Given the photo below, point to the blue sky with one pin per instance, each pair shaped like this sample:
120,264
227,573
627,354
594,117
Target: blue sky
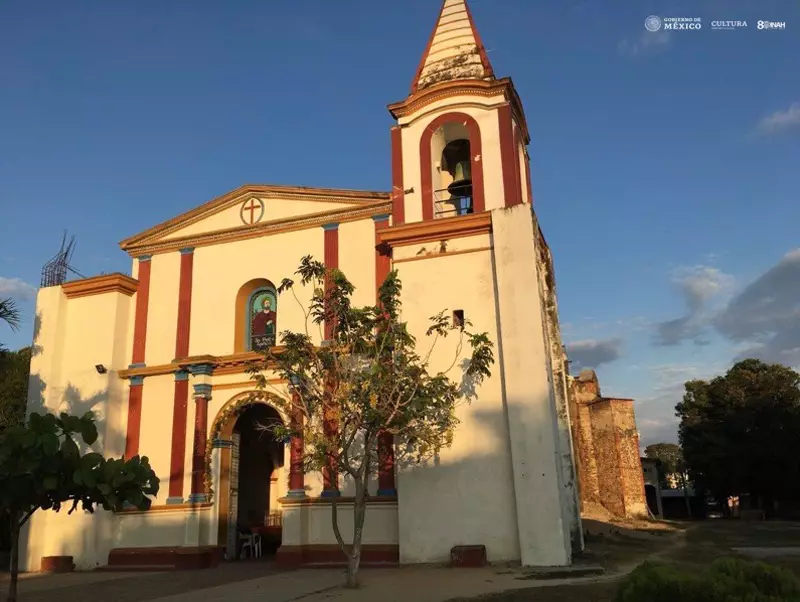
664,165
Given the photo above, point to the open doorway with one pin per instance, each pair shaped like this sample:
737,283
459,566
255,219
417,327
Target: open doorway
256,480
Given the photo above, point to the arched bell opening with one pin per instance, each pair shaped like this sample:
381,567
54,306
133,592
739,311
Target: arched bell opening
453,188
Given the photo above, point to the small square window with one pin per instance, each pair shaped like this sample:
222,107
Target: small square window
458,318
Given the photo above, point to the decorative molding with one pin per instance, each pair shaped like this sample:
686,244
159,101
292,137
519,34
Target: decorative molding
142,258
181,375
333,226
137,381
437,230
187,250
202,369
246,384
475,87
302,222
202,390
142,242
341,500
98,285
445,254
171,508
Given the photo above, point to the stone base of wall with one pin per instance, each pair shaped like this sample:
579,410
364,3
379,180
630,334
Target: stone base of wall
292,557
174,558
57,564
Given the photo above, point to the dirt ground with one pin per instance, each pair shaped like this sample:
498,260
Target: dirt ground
692,546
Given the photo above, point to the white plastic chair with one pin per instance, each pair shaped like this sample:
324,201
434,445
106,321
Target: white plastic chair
248,545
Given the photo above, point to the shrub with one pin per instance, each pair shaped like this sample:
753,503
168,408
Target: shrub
726,580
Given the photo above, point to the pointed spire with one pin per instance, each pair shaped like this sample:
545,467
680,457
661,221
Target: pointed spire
455,50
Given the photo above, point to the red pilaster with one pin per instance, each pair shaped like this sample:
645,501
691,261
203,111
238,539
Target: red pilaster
398,189
528,178
383,261
202,395
297,487
140,320
134,416
383,264
184,304
331,262
137,358
178,453
510,158
386,485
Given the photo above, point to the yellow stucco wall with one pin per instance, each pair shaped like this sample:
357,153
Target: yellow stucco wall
162,310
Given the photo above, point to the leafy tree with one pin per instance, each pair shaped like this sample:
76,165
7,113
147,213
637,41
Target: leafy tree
14,373
739,431
670,459
42,467
10,314
369,381
671,462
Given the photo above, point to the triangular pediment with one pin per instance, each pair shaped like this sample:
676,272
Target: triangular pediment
255,210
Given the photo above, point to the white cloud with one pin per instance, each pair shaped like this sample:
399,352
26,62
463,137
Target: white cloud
591,353
16,288
698,285
780,121
647,43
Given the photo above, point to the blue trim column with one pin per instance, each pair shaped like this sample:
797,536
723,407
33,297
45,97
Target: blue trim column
202,395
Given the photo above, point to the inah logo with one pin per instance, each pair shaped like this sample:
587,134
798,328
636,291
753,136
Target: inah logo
771,25
652,23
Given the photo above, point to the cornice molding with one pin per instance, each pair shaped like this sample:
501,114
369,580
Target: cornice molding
98,285
476,87
436,230
236,363
246,192
302,222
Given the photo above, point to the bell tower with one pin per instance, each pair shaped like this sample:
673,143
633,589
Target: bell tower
464,239
460,143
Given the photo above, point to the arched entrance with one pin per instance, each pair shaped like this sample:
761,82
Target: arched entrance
252,477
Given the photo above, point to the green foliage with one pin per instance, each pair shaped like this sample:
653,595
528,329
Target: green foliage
14,373
10,313
738,431
367,380
670,457
726,580
42,466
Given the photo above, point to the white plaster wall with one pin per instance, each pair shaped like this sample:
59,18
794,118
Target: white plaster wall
155,438
485,113
73,336
357,259
463,497
310,524
544,536
162,309
274,209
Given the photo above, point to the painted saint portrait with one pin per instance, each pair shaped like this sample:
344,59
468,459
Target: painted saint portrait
263,320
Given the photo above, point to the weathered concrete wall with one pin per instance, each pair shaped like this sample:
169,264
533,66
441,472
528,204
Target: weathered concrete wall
604,435
630,465
570,500
585,390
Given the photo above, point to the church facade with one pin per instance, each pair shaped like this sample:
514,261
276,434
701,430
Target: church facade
164,364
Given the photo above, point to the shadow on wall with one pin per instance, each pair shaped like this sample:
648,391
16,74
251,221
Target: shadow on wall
59,533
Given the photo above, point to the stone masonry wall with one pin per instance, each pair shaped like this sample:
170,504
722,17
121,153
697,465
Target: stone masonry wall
606,450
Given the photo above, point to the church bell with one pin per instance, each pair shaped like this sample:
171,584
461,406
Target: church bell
457,158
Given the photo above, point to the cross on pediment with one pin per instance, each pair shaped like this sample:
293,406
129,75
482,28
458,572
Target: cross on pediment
252,211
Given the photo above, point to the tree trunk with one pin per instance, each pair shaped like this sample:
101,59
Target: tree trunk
359,512
686,496
12,584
